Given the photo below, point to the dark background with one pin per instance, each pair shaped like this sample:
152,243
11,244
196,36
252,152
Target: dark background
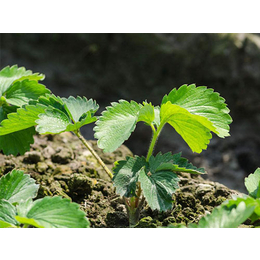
109,67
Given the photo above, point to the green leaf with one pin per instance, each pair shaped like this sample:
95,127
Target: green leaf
252,183
78,107
116,124
52,212
249,201
17,186
22,91
223,217
4,224
194,129
204,102
28,221
158,188
75,114
22,119
16,132
18,142
126,175
172,162
146,113
10,75
52,121
7,214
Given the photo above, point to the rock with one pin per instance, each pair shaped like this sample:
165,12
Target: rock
42,167
62,155
32,157
48,152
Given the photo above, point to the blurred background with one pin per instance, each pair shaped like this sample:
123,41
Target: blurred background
109,67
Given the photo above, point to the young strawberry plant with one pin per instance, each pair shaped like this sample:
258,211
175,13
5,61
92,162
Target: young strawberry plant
18,209
194,112
24,103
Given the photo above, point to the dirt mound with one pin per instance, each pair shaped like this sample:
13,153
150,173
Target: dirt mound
62,166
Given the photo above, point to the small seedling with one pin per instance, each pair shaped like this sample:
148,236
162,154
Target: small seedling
18,209
194,112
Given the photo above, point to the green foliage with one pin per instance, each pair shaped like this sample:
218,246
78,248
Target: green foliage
51,212
50,114
71,116
157,177
116,124
18,87
194,112
17,207
204,102
194,129
252,183
17,186
10,75
21,92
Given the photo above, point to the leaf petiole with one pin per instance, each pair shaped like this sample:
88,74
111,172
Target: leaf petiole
84,141
156,134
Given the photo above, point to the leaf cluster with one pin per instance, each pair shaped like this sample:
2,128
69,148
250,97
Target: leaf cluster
25,104
157,177
17,207
194,112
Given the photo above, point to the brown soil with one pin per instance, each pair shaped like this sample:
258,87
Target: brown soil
62,166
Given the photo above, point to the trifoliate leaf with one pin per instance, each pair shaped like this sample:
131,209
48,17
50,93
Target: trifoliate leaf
116,124
22,91
252,183
52,212
223,217
10,75
16,186
126,175
194,129
172,162
18,142
65,114
7,214
146,113
204,102
78,107
158,188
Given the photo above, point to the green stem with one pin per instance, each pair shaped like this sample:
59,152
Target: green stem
156,134
84,141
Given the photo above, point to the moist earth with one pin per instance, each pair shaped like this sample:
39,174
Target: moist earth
63,166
